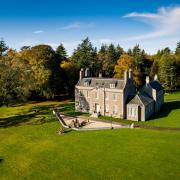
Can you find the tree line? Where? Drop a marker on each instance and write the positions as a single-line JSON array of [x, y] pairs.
[[42, 72]]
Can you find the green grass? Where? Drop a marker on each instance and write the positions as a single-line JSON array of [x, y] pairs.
[[34, 112], [30, 147], [169, 116], [37, 152]]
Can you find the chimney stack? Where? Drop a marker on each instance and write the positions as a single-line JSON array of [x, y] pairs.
[[87, 72], [81, 74], [147, 80], [100, 75], [126, 75], [130, 73], [155, 77]]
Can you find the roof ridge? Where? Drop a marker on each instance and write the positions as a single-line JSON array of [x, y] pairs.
[[103, 78], [139, 98]]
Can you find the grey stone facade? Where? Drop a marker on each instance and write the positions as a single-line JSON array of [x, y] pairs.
[[117, 98]]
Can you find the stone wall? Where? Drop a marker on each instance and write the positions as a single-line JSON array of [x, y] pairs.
[[109, 101], [149, 110], [133, 112]]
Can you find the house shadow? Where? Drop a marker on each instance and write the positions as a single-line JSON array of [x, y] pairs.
[[165, 110], [69, 109]]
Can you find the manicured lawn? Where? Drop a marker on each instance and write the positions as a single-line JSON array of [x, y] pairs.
[[37, 152], [30, 147], [34, 112]]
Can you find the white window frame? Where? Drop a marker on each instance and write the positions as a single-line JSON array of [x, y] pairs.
[[132, 111], [107, 108], [115, 109], [112, 85], [135, 112]]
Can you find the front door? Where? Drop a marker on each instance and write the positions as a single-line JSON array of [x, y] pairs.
[[97, 108]]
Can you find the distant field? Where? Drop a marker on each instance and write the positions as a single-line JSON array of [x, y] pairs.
[[30, 147]]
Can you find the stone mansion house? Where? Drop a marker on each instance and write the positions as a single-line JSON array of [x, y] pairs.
[[117, 97]]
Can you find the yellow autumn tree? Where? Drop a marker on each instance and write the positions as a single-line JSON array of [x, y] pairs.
[[71, 75], [126, 62]]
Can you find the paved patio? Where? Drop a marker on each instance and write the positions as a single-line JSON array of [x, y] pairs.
[[93, 124]]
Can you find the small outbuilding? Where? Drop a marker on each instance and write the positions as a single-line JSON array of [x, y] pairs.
[[140, 108]]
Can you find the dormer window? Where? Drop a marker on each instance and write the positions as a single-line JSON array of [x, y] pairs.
[[112, 85], [86, 84]]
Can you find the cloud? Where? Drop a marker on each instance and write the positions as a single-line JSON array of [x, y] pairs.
[[165, 22], [77, 25], [38, 32], [145, 15], [74, 25]]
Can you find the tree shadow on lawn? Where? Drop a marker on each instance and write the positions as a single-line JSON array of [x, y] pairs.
[[165, 110], [59, 98], [38, 115], [35, 116]]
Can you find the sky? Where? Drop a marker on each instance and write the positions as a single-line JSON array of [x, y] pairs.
[[153, 24]]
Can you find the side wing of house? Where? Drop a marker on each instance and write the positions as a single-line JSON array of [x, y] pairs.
[[140, 108], [154, 90]]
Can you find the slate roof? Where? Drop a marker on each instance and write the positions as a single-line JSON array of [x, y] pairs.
[[156, 85], [102, 82], [140, 99]]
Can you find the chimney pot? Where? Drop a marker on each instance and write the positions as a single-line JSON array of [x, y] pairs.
[[130, 73], [100, 75], [155, 77], [126, 75], [87, 72], [81, 74], [147, 80]]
